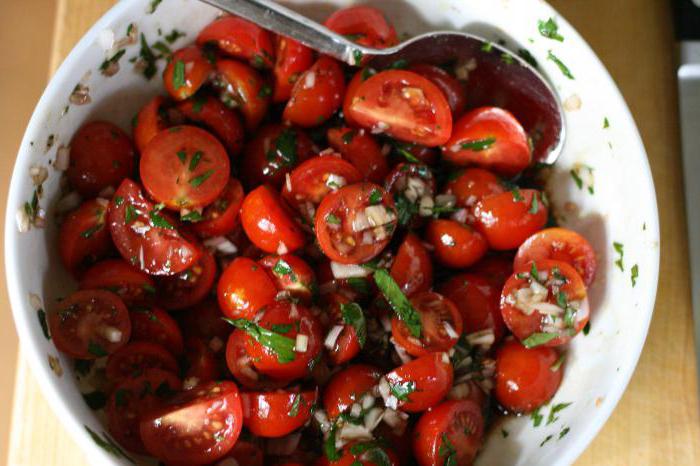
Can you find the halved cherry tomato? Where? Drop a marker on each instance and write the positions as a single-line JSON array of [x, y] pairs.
[[441, 325], [204, 321], [508, 219], [156, 325], [149, 122], [317, 94], [200, 363], [364, 25], [489, 137], [133, 286], [218, 118], [145, 236], [246, 454], [269, 223], [362, 454], [450, 433], [243, 88], [277, 413], [189, 286], [291, 60], [412, 268], [547, 309], [348, 386], [187, 70], [455, 92], [559, 244], [84, 238], [355, 223], [221, 217], [198, 426], [403, 105], [351, 92], [241, 39], [456, 244], [472, 185], [90, 324], [346, 345], [131, 360], [241, 365], [478, 302], [496, 268], [526, 378], [422, 383], [101, 155], [133, 397], [273, 152], [244, 288], [184, 167], [360, 149], [292, 274], [426, 155]]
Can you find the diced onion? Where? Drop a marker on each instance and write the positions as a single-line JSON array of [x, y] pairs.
[[415, 188], [38, 173], [288, 182], [373, 418], [348, 270], [445, 200], [355, 410], [367, 401], [460, 391], [401, 352], [350, 432], [106, 39], [62, 161], [450, 330], [282, 249], [112, 334], [22, 219], [310, 80], [332, 337], [302, 343], [322, 419], [481, 338], [425, 207], [395, 419], [335, 181], [221, 244], [68, 202], [189, 383], [378, 215]]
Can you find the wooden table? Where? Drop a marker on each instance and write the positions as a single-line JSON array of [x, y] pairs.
[[656, 423]]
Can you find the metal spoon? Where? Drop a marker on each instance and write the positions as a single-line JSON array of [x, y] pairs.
[[496, 76]]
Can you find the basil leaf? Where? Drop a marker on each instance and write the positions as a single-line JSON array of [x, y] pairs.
[[353, 315], [478, 145], [195, 160], [555, 409], [538, 339], [550, 29], [159, 221], [401, 390], [283, 346], [294, 410], [562, 67], [195, 182], [179, 74], [329, 449], [398, 301]]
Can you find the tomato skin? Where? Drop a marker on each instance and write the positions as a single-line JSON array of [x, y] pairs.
[[506, 222], [157, 326], [404, 105], [204, 321], [200, 362], [189, 287], [454, 91], [167, 433], [222, 216], [317, 94], [101, 155], [508, 155], [496, 268], [432, 375], [132, 359], [348, 386], [149, 122], [362, 150], [84, 237], [473, 185], [240, 364], [351, 93], [244, 288], [269, 223], [241, 39], [83, 318], [365, 21], [347, 345], [291, 60], [156, 250], [456, 245], [458, 421], [292, 274], [217, 117], [132, 285], [243, 85], [275, 419], [195, 69], [412, 268], [524, 377], [348, 458], [559, 244]]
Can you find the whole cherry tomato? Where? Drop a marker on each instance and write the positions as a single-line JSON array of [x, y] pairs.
[[362, 150], [241, 39], [277, 413], [244, 288], [455, 244], [422, 383], [412, 268], [242, 87], [364, 25], [218, 118], [84, 237]]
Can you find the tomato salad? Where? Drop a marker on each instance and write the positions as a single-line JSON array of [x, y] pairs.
[[294, 261]]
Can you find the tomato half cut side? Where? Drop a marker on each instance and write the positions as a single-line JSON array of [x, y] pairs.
[[90, 324], [187, 70], [291, 60], [241, 39], [341, 342], [362, 150], [244, 288], [150, 121], [198, 426], [222, 216], [84, 237], [189, 287], [421, 383], [155, 325], [455, 244], [363, 454], [131, 360], [132, 285], [455, 91], [317, 94], [277, 413], [412, 268], [349, 386], [242, 87], [363, 25], [292, 275], [218, 118]]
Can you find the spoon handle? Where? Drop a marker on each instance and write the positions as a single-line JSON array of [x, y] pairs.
[[281, 20]]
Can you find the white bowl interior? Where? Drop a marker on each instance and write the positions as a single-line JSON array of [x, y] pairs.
[[622, 208]]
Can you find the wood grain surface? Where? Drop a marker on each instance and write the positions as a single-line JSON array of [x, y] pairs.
[[657, 422]]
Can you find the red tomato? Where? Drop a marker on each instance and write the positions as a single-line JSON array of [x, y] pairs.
[[273, 152], [218, 118], [292, 274], [428, 379], [362, 150], [200, 363], [246, 454], [496, 268], [90, 324], [187, 70], [451, 433], [455, 92], [363, 25], [241, 365], [292, 59], [412, 268], [101, 155], [149, 122], [562, 245], [145, 236], [317, 94], [243, 88], [492, 138], [132, 285], [526, 378], [244, 288], [473, 185], [184, 167], [132, 359], [189, 286], [222, 216], [84, 238], [204, 321], [276, 414], [508, 219], [347, 345], [351, 92], [404, 105], [441, 325], [131, 398], [355, 223], [362, 454], [157, 326], [241, 39], [198, 426], [349, 386], [549, 310], [426, 155], [269, 223], [456, 245]]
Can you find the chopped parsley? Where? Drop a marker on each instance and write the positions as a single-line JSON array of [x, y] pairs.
[[357, 56], [182, 155], [329, 449], [606, 123], [265, 91], [359, 284], [563, 432], [504, 433], [552, 418], [118, 200], [179, 74], [281, 328], [546, 439], [528, 57], [507, 58], [550, 29], [296, 402], [517, 197], [149, 59], [196, 182], [401, 390], [41, 314], [283, 268], [487, 47], [398, 301], [192, 217], [620, 249], [405, 153], [577, 178], [285, 148], [159, 221], [353, 315], [587, 328], [478, 145], [113, 60], [557, 364], [375, 197], [283, 346], [534, 205], [634, 274], [198, 102], [332, 219], [562, 67], [195, 160], [174, 35], [399, 64], [536, 418], [447, 451], [538, 339], [91, 231], [154, 6]]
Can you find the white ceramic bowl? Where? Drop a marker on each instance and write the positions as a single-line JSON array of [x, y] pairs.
[[622, 208]]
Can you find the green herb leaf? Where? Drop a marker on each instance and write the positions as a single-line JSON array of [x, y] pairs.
[[96, 350], [620, 249], [361, 285], [282, 268], [329, 450], [606, 123], [447, 451], [174, 35], [149, 59], [283, 346], [353, 315], [281, 328], [348, 136], [118, 200], [587, 328], [478, 145], [195, 182], [112, 60], [357, 56], [536, 418], [159, 221], [517, 197], [286, 147], [398, 301], [507, 58], [198, 102], [505, 433], [528, 57], [550, 29], [91, 231], [577, 178], [405, 153], [534, 206], [487, 47], [182, 155], [41, 314], [538, 339], [120, 397], [554, 410], [192, 217], [95, 400], [107, 444], [154, 6], [130, 214], [179, 74], [563, 432], [546, 439], [294, 410], [634, 274], [375, 197], [332, 219], [401, 390], [353, 37], [196, 158], [265, 91], [557, 364], [562, 67], [399, 64]]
